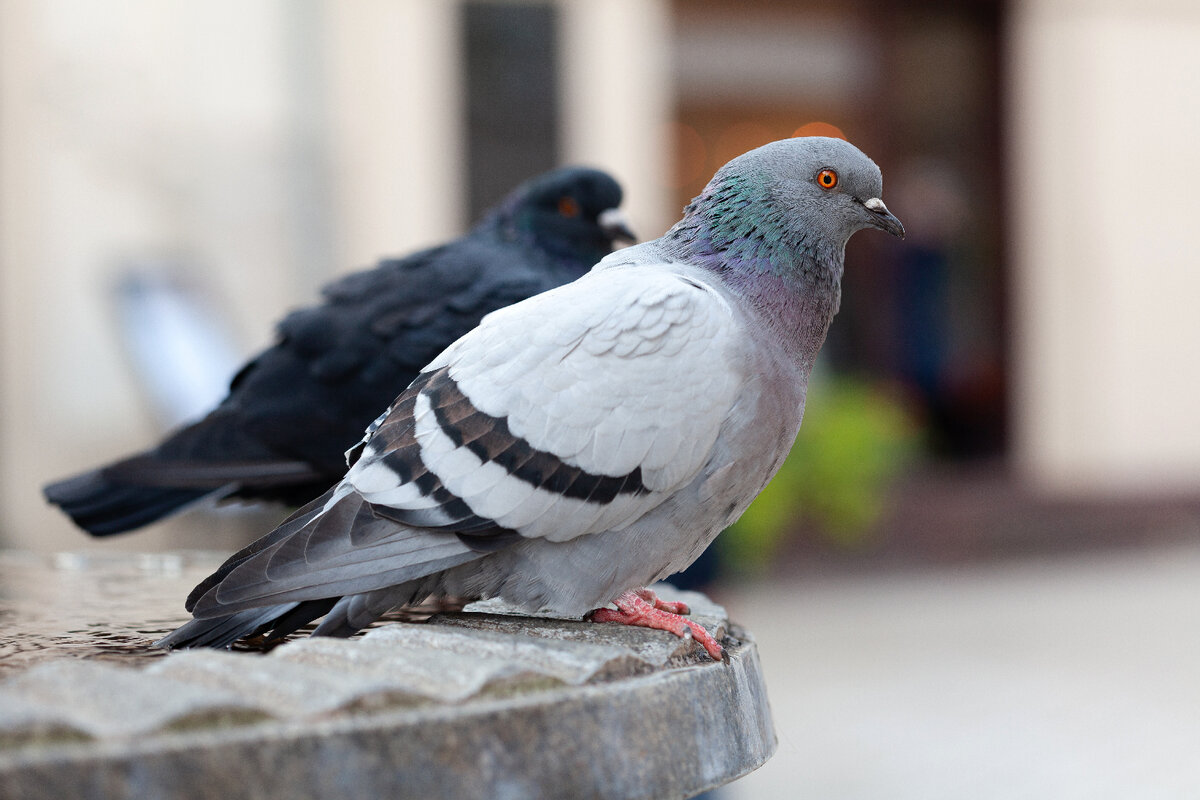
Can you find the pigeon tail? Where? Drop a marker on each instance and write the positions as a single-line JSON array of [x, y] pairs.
[[104, 507], [149, 486], [276, 622]]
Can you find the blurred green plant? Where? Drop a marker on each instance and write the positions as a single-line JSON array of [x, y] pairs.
[[856, 437]]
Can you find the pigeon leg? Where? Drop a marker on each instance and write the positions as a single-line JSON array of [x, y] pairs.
[[644, 609]]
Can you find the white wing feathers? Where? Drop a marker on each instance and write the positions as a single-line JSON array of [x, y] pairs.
[[576, 411]]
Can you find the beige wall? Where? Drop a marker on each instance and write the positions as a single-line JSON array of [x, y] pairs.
[[270, 144], [1105, 121], [385, 59], [127, 130], [202, 131], [616, 110]]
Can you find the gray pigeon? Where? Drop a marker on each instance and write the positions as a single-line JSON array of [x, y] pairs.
[[291, 412], [586, 442]]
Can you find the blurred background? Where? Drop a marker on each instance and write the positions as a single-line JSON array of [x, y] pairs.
[[978, 575]]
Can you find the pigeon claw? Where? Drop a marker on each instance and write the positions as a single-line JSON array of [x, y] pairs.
[[643, 609], [663, 605]]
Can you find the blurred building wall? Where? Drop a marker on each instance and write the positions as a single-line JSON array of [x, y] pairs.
[[618, 100], [129, 132], [1105, 120], [255, 149]]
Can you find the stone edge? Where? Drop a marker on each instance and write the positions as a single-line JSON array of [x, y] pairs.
[[599, 736]]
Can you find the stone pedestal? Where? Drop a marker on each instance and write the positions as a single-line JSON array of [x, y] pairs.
[[478, 704]]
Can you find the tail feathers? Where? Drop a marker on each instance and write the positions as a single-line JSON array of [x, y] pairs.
[[313, 565], [354, 612], [344, 617], [221, 632], [103, 507], [301, 517], [145, 488], [314, 555]]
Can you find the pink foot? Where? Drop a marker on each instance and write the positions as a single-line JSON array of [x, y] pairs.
[[663, 605], [644, 609]]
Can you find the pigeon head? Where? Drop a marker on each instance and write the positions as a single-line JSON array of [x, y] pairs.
[[788, 208], [571, 213]]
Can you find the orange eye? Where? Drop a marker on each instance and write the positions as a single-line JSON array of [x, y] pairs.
[[568, 206], [827, 179]]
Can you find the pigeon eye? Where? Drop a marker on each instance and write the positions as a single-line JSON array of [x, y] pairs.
[[568, 206], [827, 179]]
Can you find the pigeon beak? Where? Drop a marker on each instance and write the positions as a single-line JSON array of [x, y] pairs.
[[612, 221], [882, 218]]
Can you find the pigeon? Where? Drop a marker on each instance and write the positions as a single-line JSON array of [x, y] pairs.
[[291, 412], [582, 444]]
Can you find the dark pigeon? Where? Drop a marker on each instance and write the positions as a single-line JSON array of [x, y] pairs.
[[292, 411]]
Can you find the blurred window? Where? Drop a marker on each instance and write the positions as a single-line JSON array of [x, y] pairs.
[[511, 97]]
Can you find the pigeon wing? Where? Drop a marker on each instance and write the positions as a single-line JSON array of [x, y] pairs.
[[576, 411], [581, 409]]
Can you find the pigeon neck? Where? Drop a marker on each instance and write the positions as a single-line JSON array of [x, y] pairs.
[[798, 319], [792, 281]]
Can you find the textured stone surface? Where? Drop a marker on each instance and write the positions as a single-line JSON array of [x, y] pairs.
[[484, 703], [99, 701], [647, 648]]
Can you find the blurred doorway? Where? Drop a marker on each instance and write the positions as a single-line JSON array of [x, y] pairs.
[[918, 88]]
